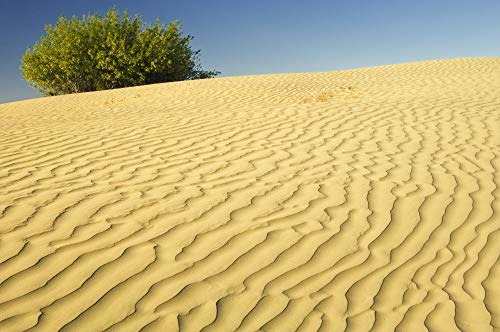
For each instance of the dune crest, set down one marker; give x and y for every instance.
(360, 200)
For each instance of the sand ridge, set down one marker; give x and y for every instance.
(355, 200)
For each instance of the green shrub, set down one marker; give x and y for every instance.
(95, 53)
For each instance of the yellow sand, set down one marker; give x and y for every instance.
(355, 200)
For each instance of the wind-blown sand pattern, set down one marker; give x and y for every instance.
(355, 200)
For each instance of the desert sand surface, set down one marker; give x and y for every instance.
(359, 200)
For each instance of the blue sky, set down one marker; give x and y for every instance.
(278, 36)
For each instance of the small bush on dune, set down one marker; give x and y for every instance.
(114, 51)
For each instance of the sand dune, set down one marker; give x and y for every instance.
(354, 200)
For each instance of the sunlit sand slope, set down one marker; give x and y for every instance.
(354, 200)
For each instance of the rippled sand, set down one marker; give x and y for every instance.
(354, 200)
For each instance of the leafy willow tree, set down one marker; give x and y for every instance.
(114, 51)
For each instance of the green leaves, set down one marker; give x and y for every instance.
(95, 53)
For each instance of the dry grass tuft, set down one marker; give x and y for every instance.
(341, 93)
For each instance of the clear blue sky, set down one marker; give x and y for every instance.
(278, 36)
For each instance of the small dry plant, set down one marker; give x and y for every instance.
(336, 93)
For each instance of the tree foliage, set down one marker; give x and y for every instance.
(114, 51)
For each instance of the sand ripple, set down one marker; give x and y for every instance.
(354, 200)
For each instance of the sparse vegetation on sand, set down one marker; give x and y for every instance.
(115, 51)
